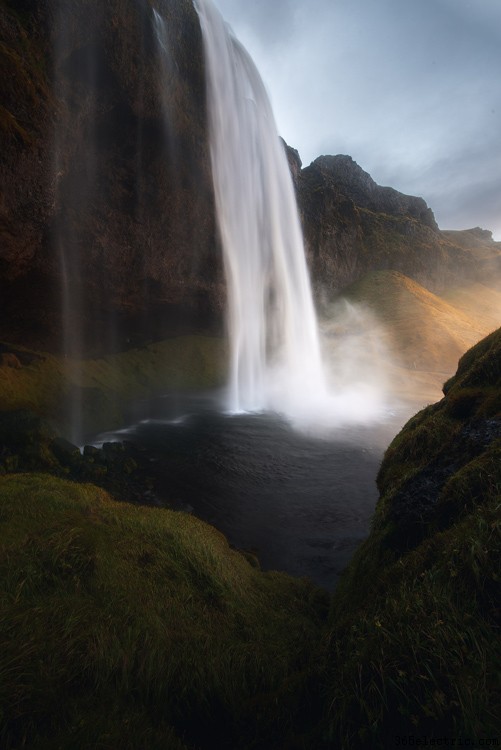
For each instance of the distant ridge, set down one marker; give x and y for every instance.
(353, 226)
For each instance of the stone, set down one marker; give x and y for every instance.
(65, 451)
(8, 359)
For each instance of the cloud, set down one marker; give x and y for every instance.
(271, 22)
(409, 88)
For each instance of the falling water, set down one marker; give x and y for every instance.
(75, 79)
(275, 359)
(167, 74)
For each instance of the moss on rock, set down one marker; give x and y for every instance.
(415, 621)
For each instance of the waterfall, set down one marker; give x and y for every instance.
(275, 358)
(167, 74)
(75, 77)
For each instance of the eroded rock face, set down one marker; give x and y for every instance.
(359, 186)
(107, 223)
(353, 226)
(106, 177)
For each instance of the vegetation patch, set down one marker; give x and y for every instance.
(418, 652)
(125, 625)
(414, 645)
(47, 385)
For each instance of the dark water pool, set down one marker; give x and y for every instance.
(301, 503)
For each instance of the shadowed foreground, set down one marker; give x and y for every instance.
(133, 627)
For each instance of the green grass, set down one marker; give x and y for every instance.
(419, 652)
(137, 627)
(105, 386)
(115, 620)
(422, 635)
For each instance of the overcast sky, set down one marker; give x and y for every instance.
(411, 89)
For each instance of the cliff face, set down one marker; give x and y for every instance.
(106, 208)
(353, 226)
(106, 176)
(26, 113)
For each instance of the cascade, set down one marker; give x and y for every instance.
(74, 195)
(275, 358)
(167, 73)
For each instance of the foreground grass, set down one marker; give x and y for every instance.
(141, 628)
(137, 627)
(417, 652)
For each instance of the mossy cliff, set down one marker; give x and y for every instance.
(415, 646)
(138, 627)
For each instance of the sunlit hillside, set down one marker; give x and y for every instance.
(419, 335)
(480, 302)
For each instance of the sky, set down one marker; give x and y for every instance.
(411, 89)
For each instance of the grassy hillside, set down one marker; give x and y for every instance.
(481, 303)
(415, 338)
(426, 331)
(139, 628)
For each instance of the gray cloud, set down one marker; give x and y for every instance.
(409, 88)
(272, 22)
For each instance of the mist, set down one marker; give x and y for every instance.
(357, 389)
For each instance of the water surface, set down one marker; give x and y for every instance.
(301, 503)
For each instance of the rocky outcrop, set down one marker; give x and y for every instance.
(353, 226)
(425, 584)
(354, 183)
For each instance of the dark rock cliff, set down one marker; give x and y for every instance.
(353, 226)
(106, 201)
(106, 177)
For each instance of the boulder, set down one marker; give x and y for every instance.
(8, 359)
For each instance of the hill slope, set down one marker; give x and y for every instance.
(426, 331)
(136, 627)
(405, 334)
(416, 618)
(480, 302)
